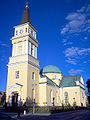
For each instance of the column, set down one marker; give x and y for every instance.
(35, 52)
(35, 35)
(27, 46)
(19, 98)
(13, 47)
(23, 47)
(16, 49)
(10, 99)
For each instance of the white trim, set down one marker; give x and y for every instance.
(13, 47)
(29, 48)
(33, 51)
(21, 25)
(26, 46)
(15, 86)
(23, 47)
(19, 98)
(16, 49)
(18, 63)
(36, 52)
(70, 87)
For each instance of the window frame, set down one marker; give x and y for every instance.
(33, 76)
(17, 74)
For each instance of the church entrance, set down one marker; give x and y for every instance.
(14, 99)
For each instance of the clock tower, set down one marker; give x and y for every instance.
(23, 66)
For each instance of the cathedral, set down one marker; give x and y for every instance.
(25, 83)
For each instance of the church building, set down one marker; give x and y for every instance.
(24, 81)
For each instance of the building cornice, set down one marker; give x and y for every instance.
(26, 24)
(28, 34)
(23, 62)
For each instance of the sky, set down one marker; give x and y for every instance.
(63, 33)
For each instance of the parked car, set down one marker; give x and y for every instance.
(6, 117)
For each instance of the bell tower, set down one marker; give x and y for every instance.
(23, 66)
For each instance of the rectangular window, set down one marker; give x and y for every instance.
(32, 49)
(33, 76)
(17, 74)
(31, 32)
(16, 32)
(25, 29)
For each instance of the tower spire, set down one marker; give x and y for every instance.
(26, 15)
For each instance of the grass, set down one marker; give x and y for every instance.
(1, 105)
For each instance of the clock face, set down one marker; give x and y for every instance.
(21, 31)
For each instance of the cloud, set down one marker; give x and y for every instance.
(76, 52)
(75, 72)
(3, 58)
(3, 44)
(77, 21)
(71, 61)
(85, 38)
(65, 42)
(73, 54)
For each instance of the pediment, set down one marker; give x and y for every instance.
(16, 85)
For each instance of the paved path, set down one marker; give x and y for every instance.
(75, 115)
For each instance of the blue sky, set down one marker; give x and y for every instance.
(63, 33)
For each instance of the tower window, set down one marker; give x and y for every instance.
(31, 49)
(16, 32)
(17, 74)
(25, 29)
(33, 76)
(31, 32)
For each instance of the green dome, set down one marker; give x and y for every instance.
(50, 69)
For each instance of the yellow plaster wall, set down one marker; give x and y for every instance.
(73, 92)
(42, 95)
(22, 79)
(52, 75)
(55, 92)
(33, 84)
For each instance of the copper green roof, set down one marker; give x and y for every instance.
(69, 81)
(50, 69)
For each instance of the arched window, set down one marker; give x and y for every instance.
(66, 97)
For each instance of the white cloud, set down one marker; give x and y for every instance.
(73, 54)
(68, 43)
(75, 72)
(71, 61)
(3, 44)
(77, 21)
(76, 52)
(85, 38)
(65, 42)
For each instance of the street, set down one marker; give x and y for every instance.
(72, 115)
